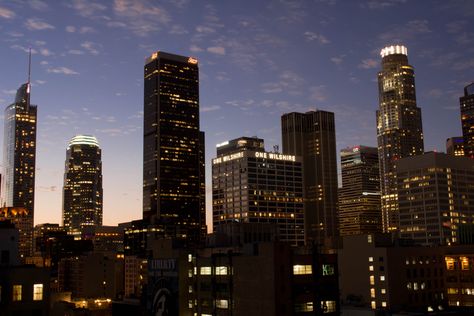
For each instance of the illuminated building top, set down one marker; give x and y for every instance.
(157, 54)
(83, 140)
(394, 49)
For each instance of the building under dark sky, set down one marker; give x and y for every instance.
(173, 148)
(82, 195)
(399, 127)
(19, 158)
(467, 119)
(250, 185)
(359, 196)
(312, 136)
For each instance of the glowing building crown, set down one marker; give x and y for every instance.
(394, 49)
(83, 140)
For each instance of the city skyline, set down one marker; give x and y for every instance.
(254, 67)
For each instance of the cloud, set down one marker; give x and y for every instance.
(205, 29)
(337, 59)
(209, 108)
(178, 30)
(62, 70)
(368, 63)
(10, 92)
(35, 24)
(456, 26)
(289, 81)
(75, 52)
(25, 49)
(39, 82)
(38, 5)
(381, 4)
(311, 36)
(70, 29)
(195, 48)
(45, 52)
(219, 50)
(87, 8)
(140, 16)
(91, 47)
(410, 30)
(318, 93)
(6, 13)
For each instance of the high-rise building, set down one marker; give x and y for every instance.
(455, 146)
(434, 197)
(399, 128)
(82, 195)
(173, 148)
(312, 136)
(359, 196)
(250, 185)
(19, 157)
(467, 119)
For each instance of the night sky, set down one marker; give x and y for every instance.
(258, 60)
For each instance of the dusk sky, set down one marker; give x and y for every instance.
(257, 60)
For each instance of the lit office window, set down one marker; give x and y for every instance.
(222, 270)
(205, 271)
(328, 306)
(37, 292)
(16, 293)
(223, 304)
(373, 305)
(302, 269)
(384, 304)
(304, 307)
(372, 280)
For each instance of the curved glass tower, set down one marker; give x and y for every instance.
(399, 128)
(82, 194)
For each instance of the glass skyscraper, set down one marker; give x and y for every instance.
(82, 193)
(173, 148)
(19, 160)
(399, 128)
(467, 119)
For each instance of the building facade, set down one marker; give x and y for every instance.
(434, 197)
(173, 148)
(359, 196)
(82, 192)
(312, 136)
(19, 159)
(455, 146)
(467, 119)
(399, 127)
(250, 185)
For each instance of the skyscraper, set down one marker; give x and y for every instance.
(467, 119)
(359, 196)
(399, 128)
(173, 148)
(82, 194)
(19, 157)
(312, 135)
(250, 185)
(455, 146)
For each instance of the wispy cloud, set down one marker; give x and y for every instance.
(312, 36)
(195, 48)
(219, 50)
(6, 13)
(317, 93)
(87, 8)
(35, 24)
(381, 4)
(209, 108)
(337, 59)
(62, 70)
(410, 30)
(369, 63)
(38, 5)
(91, 47)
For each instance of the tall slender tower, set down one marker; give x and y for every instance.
(467, 119)
(19, 158)
(399, 128)
(359, 196)
(82, 194)
(312, 135)
(173, 148)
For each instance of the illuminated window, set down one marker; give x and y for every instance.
(371, 259)
(302, 269)
(382, 278)
(224, 304)
(190, 304)
(328, 306)
(384, 304)
(205, 271)
(190, 288)
(449, 263)
(372, 280)
(373, 305)
(464, 263)
(369, 239)
(328, 269)
(190, 258)
(371, 268)
(222, 270)
(16, 292)
(372, 293)
(190, 273)
(37, 292)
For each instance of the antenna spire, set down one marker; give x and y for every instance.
(29, 66)
(28, 83)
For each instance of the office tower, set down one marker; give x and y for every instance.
(19, 153)
(359, 196)
(435, 197)
(455, 146)
(173, 148)
(467, 119)
(250, 185)
(82, 195)
(312, 136)
(399, 129)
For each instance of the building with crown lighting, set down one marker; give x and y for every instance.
(82, 192)
(173, 147)
(467, 119)
(399, 127)
(19, 161)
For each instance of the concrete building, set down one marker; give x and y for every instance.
(435, 197)
(359, 196)
(22, 220)
(250, 185)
